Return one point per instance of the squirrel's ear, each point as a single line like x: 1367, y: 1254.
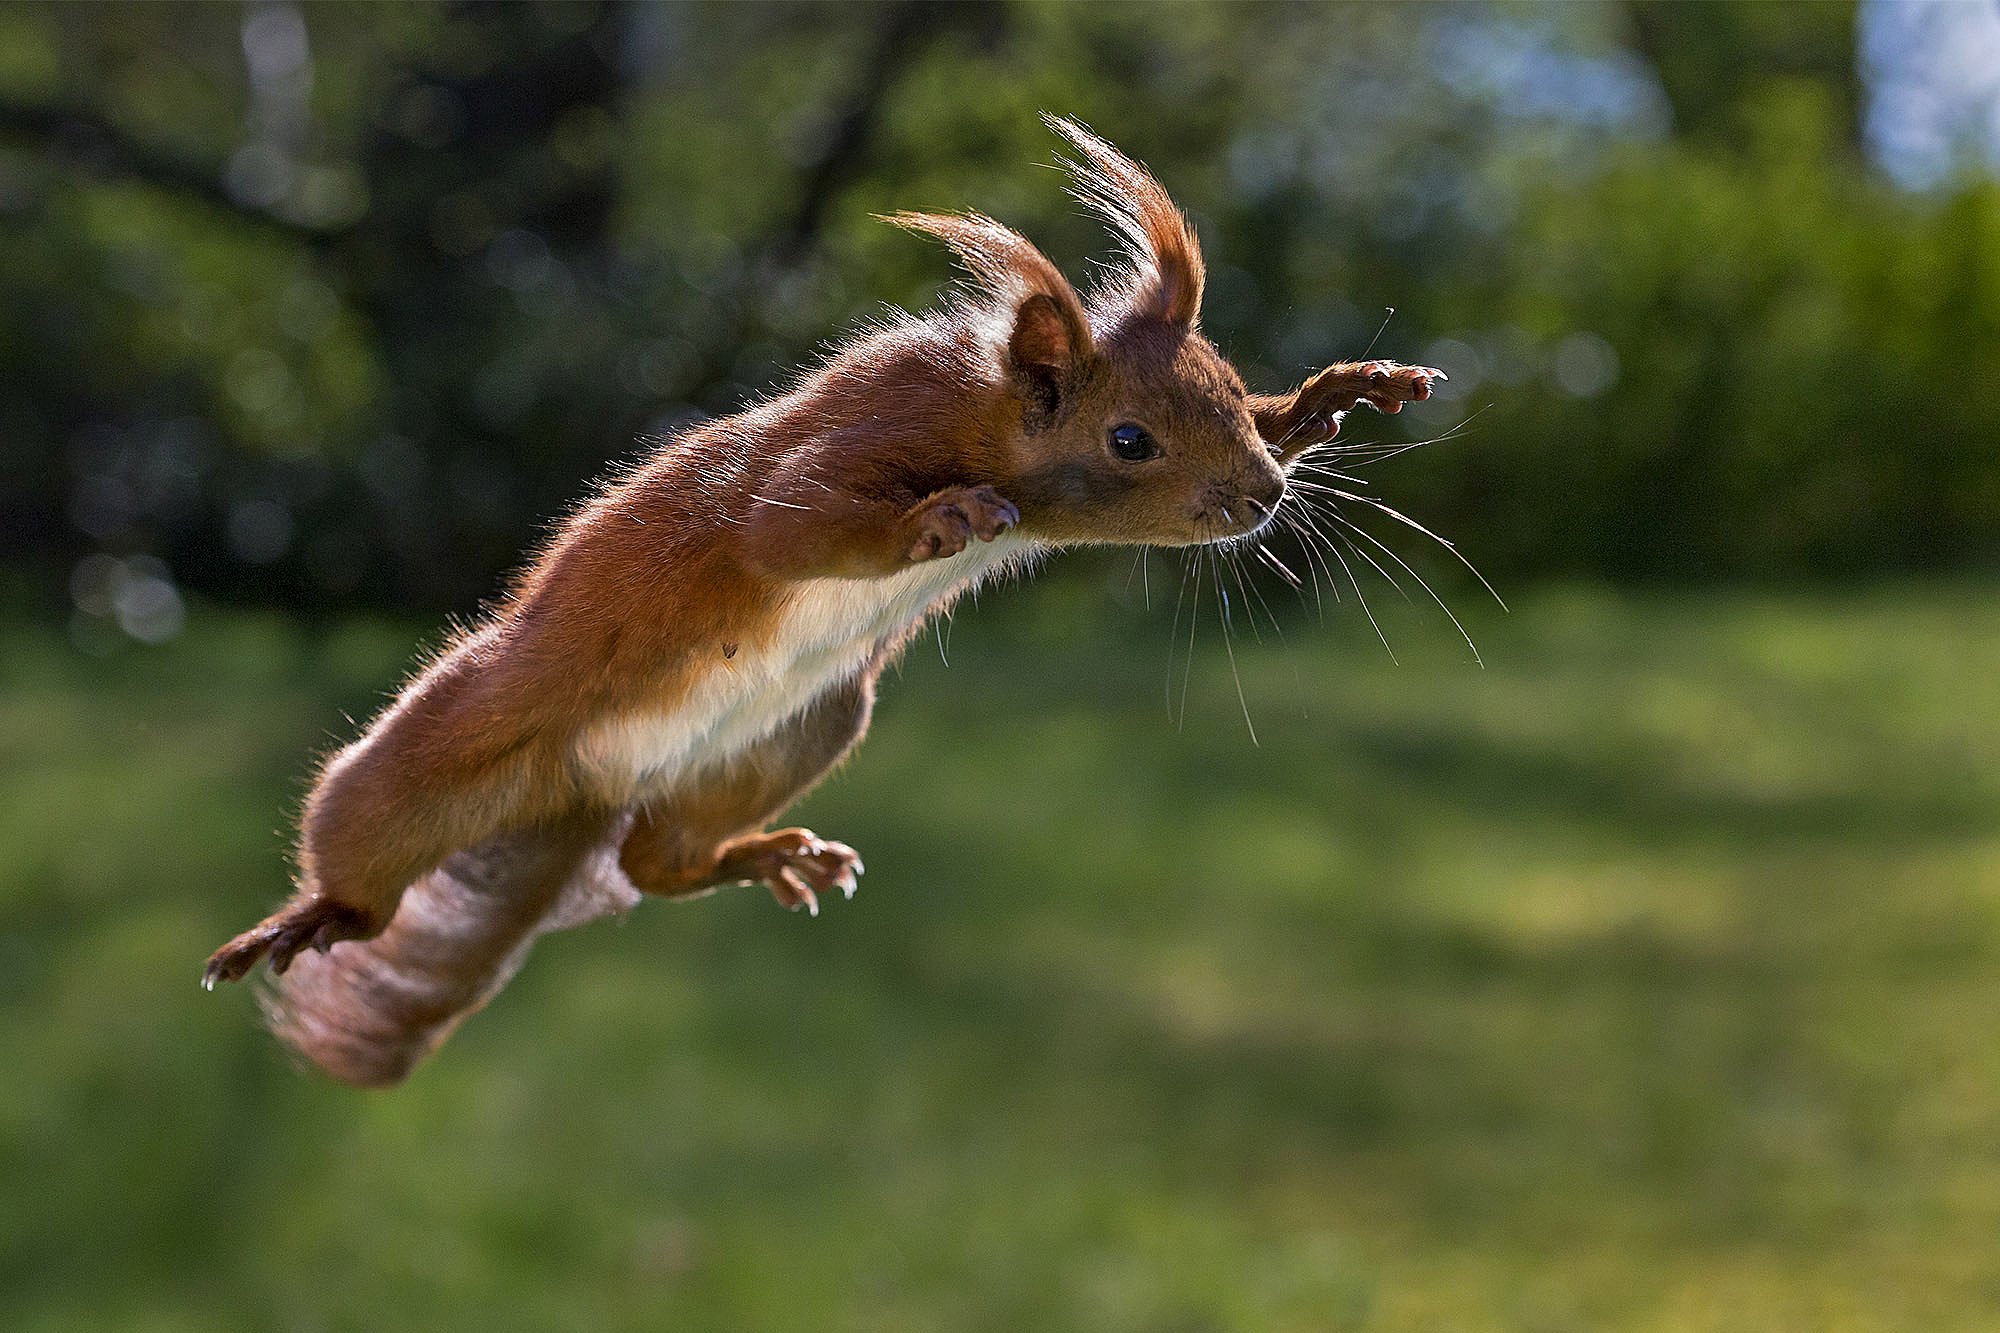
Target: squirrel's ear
x: 1042, y: 352
x: 1049, y: 340
x: 1051, y: 333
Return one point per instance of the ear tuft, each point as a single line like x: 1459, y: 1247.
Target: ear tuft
x: 1167, y: 268
x: 1002, y: 261
x: 1050, y: 329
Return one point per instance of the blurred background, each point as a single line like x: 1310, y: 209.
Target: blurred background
x: 1643, y: 977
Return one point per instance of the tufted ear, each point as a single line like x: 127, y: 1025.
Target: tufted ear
x: 1049, y: 338
x: 1167, y: 268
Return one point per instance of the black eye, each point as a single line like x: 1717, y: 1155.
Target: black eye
x: 1131, y: 442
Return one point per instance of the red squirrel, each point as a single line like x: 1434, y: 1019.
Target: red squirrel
x: 699, y: 645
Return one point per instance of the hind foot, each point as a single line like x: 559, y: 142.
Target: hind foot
x: 794, y: 864
x: 317, y: 922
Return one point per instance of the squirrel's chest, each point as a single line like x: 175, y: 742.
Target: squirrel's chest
x: 827, y: 632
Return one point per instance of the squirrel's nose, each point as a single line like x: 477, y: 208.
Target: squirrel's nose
x: 1250, y: 507
x: 1265, y: 489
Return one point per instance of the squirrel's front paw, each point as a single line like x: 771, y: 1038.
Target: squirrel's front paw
x: 946, y: 523
x: 796, y: 865
x: 1383, y: 385
x: 1390, y: 385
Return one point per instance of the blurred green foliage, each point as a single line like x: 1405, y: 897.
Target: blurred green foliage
x: 1641, y: 980
x: 338, y: 304
x: 1806, y: 359
x: 1645, y: 980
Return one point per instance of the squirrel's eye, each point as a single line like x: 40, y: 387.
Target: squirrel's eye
x: 1131, y: 442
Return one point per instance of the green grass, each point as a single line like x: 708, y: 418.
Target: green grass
x: 1647, y: 979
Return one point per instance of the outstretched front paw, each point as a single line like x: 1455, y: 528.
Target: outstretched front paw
x: 1310, y: 415
x: 946, y: 523
x: 319, y: 923
x: 796, y: 865
x: 1383, y: 385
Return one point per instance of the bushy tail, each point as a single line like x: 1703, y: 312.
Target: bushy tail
x: 367, y: 1011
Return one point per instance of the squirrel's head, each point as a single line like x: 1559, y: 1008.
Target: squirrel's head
x: 1132, y: 428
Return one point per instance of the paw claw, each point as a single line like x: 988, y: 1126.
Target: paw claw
x: 796, y: 866
x: 1389, y: 385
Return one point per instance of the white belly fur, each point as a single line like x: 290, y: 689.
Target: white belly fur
x: 827, y: 633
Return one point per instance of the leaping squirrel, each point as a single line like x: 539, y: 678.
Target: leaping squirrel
x: 699, y: 645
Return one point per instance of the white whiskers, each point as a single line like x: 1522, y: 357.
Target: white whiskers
x: 1326, y: 511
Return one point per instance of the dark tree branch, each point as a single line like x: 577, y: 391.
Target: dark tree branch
x: 83, y: 139
x: 907, y: 29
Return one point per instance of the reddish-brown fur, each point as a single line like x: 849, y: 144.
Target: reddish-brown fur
x: 907, y: 446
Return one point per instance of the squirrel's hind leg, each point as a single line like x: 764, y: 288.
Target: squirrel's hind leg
x: 795, y: 864
x: 371, y: 830
x: 313, y: 922
x: 426, y: 781
x: 705, y: 835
